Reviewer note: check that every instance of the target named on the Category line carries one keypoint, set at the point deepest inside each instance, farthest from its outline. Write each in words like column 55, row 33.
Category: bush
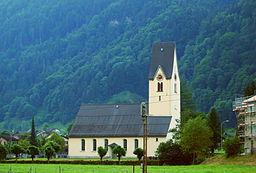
column 172, row 154
column 232, row 146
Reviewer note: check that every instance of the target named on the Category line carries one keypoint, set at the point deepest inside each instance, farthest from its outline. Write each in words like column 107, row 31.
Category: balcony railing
column 246, row 124
column 244, row 136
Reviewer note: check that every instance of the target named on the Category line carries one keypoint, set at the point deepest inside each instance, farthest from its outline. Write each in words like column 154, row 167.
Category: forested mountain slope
column 56, row 55
column 221, row 61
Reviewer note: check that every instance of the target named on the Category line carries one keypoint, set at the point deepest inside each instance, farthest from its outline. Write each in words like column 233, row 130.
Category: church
column 108, row 125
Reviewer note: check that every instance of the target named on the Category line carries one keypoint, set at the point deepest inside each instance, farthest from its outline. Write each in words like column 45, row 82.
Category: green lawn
column 219, row 152
column 53, row 168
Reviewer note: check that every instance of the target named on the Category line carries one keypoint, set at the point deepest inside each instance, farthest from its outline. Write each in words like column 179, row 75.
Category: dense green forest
column 56, row 55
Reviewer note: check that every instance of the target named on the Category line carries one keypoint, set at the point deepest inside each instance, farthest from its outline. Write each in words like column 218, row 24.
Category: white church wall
column 75, row 146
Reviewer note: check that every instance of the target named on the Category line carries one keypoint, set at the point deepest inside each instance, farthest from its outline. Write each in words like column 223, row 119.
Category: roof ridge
column 111, row 104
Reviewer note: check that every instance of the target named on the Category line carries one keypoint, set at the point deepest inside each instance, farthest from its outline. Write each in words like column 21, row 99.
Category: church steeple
column 164, row 82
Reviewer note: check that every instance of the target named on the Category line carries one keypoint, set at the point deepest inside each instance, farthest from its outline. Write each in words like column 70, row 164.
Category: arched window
column 106, row 143
column 160, row 86
column 136, row 143
column 94, row 146
column 125, row 144
column 82, row 145
column 175, row 88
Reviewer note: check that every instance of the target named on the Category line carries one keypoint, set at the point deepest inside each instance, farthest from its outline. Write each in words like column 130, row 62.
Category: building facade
column 108, row 125
column 246, row 120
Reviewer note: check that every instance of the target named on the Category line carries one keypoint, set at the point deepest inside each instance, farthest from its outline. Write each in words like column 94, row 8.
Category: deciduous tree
column 33, row 151
column 3, row 152
column 49, row 152
column 102, row 152
column 138, row 152
column 17, row 149
column 57, row 139
column 119, row 151
column 24, row 143
column 195, row 136
column 54, row 145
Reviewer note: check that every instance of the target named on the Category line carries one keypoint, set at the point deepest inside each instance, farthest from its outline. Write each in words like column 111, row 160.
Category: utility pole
column 144, row 116
column 226, row 121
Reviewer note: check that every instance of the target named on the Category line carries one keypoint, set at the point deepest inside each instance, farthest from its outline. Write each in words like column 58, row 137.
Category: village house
column 4, row 139
column 108, row 125
column 246, row 120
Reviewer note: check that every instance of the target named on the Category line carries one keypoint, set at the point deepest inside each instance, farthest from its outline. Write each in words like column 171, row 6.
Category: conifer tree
column 214, row 124
column 187, row 100
column 33, row 140
column 250, row 89
column 253, row 87
column 247, row 90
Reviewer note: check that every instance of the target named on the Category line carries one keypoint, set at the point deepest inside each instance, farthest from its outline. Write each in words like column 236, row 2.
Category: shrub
column 232, row 146
column 172, row 154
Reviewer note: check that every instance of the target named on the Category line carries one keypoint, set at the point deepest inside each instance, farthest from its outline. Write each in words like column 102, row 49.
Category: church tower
column 164, row 82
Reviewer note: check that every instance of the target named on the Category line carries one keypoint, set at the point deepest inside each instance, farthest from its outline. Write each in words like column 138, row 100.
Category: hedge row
column 105, row 162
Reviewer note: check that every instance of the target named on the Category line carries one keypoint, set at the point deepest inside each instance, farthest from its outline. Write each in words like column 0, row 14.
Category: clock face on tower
column 159, row 77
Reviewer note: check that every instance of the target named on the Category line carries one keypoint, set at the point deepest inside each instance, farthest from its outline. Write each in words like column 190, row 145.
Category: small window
column 94, row 145
column 136, row 143
column 252, row 110
column 252, row 129
column 106, row 144
column 82, row 145
column 156, row 139
column 175, row 88
column 125, row 144
column 160, row 98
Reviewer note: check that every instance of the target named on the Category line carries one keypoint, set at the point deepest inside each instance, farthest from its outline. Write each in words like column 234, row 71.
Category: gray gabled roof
column 162, row 56
column 116, row 120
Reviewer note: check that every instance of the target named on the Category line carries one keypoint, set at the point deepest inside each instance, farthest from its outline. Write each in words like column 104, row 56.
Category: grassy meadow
column 69, row 168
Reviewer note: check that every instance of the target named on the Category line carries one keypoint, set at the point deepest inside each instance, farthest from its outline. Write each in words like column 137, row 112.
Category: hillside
column 249, row 160
column 56, row 55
